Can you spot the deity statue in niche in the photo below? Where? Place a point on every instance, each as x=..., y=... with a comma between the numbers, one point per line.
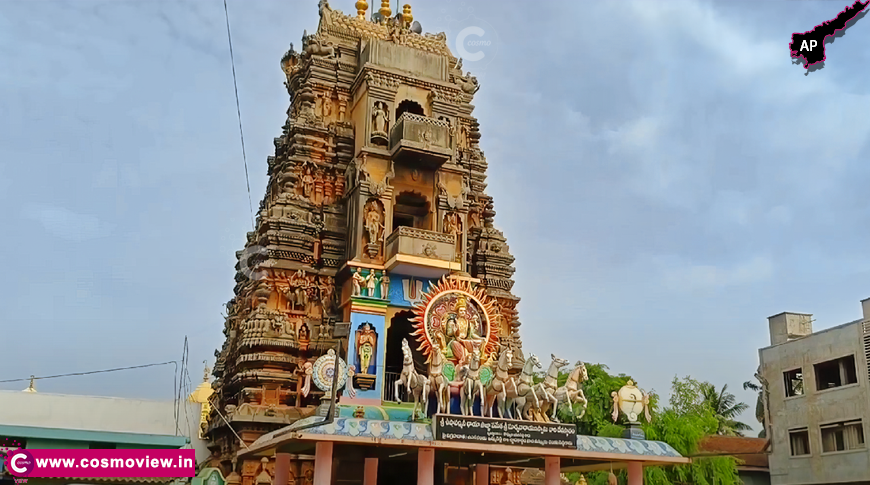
x=373, y=221
x=307, y=183
x=453, y=225
x=380, y=118
x=366, y=349
x=304, y=336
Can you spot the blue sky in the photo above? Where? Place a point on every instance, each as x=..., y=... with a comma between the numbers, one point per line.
x=666, y=177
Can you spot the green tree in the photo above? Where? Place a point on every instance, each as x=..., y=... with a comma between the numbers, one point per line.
x=687, y=419
x=726, y=409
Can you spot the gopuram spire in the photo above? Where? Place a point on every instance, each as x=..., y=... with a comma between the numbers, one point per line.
x=376, y=191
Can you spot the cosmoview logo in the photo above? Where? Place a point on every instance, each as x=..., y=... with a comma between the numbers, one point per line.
x=20, y=463
x=475, y=41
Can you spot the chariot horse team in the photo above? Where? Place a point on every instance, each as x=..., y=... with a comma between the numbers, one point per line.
x=511, y=396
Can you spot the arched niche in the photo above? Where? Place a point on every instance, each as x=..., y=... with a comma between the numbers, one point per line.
x=411, y=209
x=409, y=106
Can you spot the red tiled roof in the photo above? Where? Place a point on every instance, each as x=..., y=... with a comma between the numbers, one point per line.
x=752, y=452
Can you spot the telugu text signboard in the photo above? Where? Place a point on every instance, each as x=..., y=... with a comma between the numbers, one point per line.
x=504, y=432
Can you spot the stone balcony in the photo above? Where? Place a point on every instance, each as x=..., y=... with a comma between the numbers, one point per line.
x=420, y=139
x=418, y=252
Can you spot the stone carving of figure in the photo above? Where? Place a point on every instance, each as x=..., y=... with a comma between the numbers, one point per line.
x=453, y=225
x=373, y=223
x=304, y=334
x=463, y=137
x=327, y=107
x=357, y=281
x=318, y=187
x=307, y=183
x=615, y=414
x=461, y=335
x=385, y=286
x=371, y=283
x=339, y=186
x=326, y=292
x=366, y=343
x=380, y=118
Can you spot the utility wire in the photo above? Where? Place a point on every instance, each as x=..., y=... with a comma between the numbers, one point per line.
x=239, y=112
x=90, y=372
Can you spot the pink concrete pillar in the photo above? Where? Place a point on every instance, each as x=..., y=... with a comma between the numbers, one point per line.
x=282, y=469
x=635, y=473
x=323, y=463
x=425, y=466
x=370, y=475
x=481, y=474
x=552, y=470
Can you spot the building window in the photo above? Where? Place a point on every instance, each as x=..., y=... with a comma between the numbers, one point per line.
x=848, y=435
x=408, y=106
x=836, y=373
x=794, y=382
x=800, y=442
x=102, y=446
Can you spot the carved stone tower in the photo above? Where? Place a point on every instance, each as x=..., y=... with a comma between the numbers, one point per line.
x=375, y=190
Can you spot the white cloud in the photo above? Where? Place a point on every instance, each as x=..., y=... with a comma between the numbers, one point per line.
x=682, y=276
x=66, y=224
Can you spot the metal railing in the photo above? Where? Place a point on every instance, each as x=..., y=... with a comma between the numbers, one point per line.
x=390, y=379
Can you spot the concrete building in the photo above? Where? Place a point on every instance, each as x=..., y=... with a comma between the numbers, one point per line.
x=817, y=400
x=34, y=420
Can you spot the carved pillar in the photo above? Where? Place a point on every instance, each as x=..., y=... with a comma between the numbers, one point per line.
x=425, y=466
x=635, y=473
x=481, y=474
x=370, y=474
x=323, y=463
x=552, y=471
x=282, y=469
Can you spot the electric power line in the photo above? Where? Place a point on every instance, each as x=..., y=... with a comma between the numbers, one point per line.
x=89, y=372
x=239, y=112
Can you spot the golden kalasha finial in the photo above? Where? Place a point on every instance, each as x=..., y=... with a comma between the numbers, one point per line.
x=385, y=9
x=361, y=7
x=406, y=14
x=32, y=386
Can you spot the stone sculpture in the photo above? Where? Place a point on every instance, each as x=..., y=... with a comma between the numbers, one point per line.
x=371, y=283
x=571, y=393
x=385, y=287
x=545, y=390
x=632, y=402
x=437, y=382
x=471, y=384
x=366, y=345
x=499, y=385
x=415, y=384
x=524, y=396
x=357, y=281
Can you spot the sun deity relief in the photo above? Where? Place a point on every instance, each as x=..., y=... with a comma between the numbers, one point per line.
x=459, y=318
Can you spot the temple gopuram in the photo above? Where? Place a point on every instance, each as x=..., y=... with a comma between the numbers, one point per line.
x=373, y=337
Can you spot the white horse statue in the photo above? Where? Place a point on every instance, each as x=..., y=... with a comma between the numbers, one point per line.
x=571, y=394
x=470, y=384
x=545, y=390
x=437, y=381
x=525, y=398
x=500, y=384
x=415, y=384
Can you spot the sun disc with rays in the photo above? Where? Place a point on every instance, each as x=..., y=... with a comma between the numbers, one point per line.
x=457, y=319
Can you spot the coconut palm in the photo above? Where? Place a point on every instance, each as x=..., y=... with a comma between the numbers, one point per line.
x=759, y=403
x=726, y=408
